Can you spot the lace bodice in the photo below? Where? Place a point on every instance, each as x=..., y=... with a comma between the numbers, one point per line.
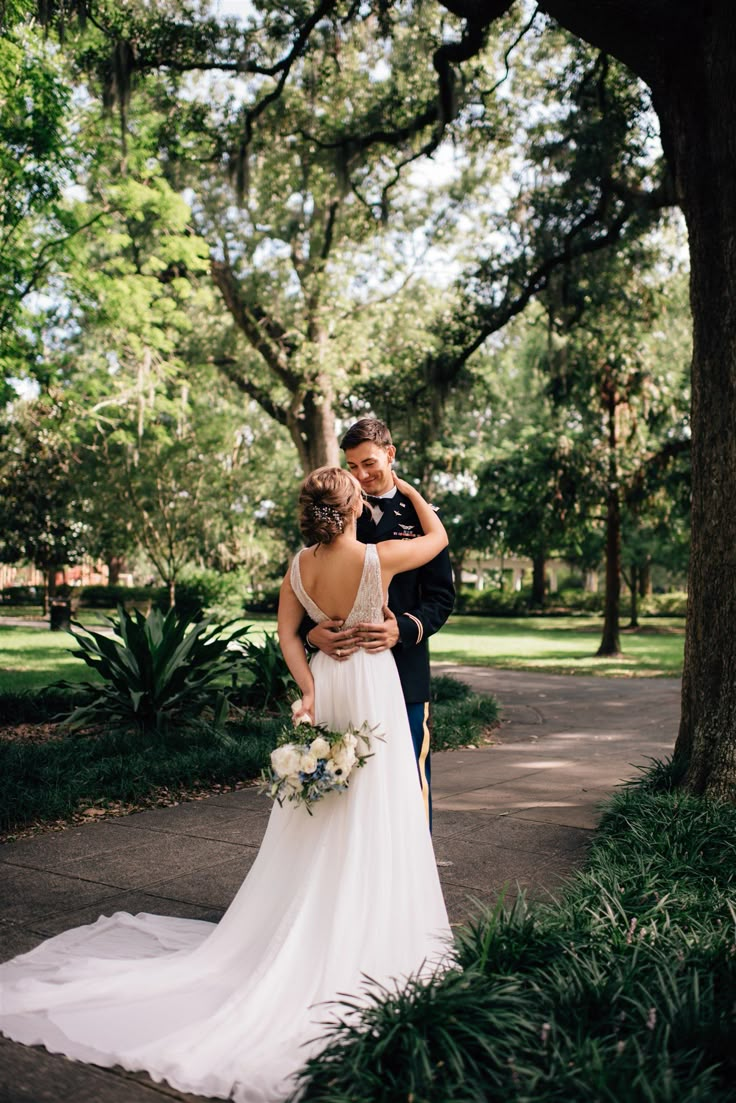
x=368, y=604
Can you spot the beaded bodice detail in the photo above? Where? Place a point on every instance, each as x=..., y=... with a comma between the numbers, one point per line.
x=368, y=604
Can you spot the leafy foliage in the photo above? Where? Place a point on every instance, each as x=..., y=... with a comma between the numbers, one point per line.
x=54, y=779
x=263, y=680
x=463, y=720
x=50, y=779
x=159, y=673
x=36, y=156
x=44, y=514
x=444, y=689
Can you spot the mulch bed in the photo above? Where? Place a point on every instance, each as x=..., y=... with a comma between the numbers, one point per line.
x=30, y=733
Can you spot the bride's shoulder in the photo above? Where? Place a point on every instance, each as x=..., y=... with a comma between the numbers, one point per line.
x=300, y=553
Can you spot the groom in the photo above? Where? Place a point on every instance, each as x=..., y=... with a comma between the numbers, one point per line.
x=419, y=601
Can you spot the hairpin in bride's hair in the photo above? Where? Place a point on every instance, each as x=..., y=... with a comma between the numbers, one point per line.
x=331, y=515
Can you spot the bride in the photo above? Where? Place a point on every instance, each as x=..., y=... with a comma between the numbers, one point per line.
x=233, y=1010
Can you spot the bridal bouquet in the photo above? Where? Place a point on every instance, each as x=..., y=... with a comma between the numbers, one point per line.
x=321, y=762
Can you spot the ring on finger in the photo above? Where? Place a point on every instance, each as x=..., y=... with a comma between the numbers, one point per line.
x=338, y=652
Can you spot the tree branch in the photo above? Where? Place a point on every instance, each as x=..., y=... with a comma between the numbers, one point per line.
x=266, y=336
x=232, y=369
x=637, y=32
x=40, y=264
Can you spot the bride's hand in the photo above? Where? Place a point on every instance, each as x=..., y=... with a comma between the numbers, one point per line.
x=402, y=485
x=302, y=710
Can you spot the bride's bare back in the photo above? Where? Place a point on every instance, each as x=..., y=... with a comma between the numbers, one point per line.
x=332, y=576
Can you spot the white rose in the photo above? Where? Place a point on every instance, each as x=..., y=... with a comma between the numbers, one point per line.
x=308, y=763
x=343, y=760
x=319, y=747
x=285, y=760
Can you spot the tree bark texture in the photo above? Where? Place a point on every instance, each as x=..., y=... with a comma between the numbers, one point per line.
x=539, y=588
x=610, y=642
x=685, y=50
x=634, y=597
x=115, y=565
x=309, y=416
x=699, y=129
x=312, y=428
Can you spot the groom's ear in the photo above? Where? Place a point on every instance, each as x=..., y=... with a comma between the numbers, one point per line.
x=391, y=453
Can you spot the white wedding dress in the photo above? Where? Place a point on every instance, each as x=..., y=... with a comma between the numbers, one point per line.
x=234, y=1009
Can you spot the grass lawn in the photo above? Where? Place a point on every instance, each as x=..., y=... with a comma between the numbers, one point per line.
x=31, y=658
x=561, y=645
x=34, y=657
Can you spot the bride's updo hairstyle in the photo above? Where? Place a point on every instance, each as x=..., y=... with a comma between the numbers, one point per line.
x=328, y=500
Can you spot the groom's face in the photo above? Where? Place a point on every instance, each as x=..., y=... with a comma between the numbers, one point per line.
x=371, y=465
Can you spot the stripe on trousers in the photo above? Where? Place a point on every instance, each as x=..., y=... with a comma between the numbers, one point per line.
x=422, y=760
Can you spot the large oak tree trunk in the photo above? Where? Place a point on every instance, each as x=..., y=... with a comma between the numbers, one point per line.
x=700, y=136
x=312, y=428
x=115, y=564
x=309, y=415
x=686, y=52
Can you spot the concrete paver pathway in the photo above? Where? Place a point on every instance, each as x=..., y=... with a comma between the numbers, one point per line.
x=519, y=813
x=516, y=814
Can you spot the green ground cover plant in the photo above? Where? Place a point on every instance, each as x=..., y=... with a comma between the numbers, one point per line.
x=459, y=716
x=49, y=780
x=54, y=780
x=625, y=989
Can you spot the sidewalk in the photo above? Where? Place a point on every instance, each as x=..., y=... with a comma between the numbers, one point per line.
x=517, y=814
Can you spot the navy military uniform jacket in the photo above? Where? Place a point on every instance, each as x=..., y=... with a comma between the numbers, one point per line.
x=421, y=600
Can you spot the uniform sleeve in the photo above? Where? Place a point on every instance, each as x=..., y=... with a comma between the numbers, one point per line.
x=304, y=629
x=436, y=600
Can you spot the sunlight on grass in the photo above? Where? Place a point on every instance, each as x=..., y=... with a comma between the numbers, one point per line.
x=561, y=645
x=31, y=658
x=34, y=657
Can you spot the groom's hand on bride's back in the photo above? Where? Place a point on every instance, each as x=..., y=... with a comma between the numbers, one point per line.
x=330, y=637
x=378, y=637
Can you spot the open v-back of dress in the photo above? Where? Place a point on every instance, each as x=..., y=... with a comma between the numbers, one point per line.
x=234, y=1009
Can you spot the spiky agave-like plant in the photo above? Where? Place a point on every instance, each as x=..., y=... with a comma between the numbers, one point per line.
x=157, y=671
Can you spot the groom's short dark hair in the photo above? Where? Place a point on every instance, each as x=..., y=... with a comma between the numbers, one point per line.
x=368, y=428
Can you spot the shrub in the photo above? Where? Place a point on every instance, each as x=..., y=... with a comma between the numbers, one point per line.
x=462, y=721
x=49, y=703
x=54, y=779
x=665, y=605
x=157, y=675
x=21, y=595
x=200, y=591
x=262, y=679
x=109, y=597
x=265, y=601
x=443, y=688
x=577, y=600
x=493, y=603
